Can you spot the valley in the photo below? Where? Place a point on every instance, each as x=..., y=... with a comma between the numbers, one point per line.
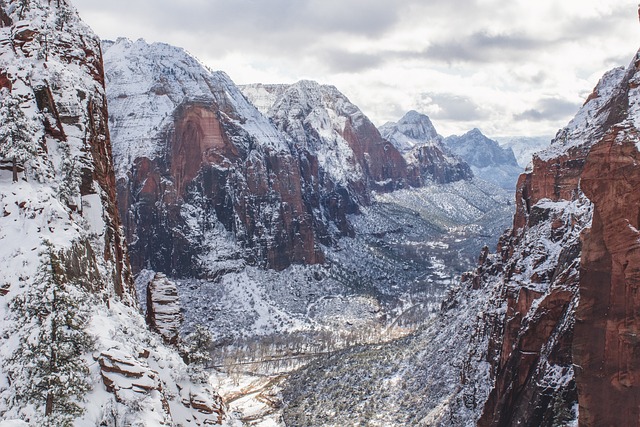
x=180, y=250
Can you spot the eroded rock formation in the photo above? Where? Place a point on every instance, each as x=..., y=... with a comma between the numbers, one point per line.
x=163, y=308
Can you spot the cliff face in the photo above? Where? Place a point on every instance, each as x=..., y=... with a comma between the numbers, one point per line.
x=566, y=337
x=72, y=149
x=352, y=158
x=198, y=163
x=200, y=168
x=61, y=246
x=606, y=346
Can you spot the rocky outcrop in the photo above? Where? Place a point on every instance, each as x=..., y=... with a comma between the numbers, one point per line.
x=209, y=167
x=429, y=164
x=163, y=308
x=606, y=344
x=75, y=135
x=60, y=226
x=320, y=122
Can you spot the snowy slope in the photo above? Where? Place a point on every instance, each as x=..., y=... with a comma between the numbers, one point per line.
x=60, y=238
x=323, y=109
x=593, y=118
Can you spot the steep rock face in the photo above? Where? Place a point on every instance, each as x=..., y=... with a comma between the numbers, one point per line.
x=163, y=308
x=198, y=163
x=428, y=159
x=487, y=159
x=605, y=345
x=429, y=163
x=61, y=236
x=535, y=347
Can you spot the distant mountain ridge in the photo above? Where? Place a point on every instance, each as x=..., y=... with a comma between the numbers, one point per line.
x=412, y=130
x=488, y=160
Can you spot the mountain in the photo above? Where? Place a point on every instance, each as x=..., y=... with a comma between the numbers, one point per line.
x=198, y=166
x=198, y=169
x=416, y=137
x=410, y=131
x=488, y=160
x=524, y=147
x=74, y=348
x=542, y=332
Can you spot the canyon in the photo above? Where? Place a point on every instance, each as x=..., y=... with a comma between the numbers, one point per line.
x=186, y=228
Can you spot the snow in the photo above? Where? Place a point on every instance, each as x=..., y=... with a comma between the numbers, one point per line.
x=411, y=131
x=306, y=105
x=146, y=83
x=586, y=127
x=43, y=214
x=13, y=423
x=93, y=212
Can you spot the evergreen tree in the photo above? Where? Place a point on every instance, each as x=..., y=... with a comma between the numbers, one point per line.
x=196, y=352
x=47, y=369
x=18, y=134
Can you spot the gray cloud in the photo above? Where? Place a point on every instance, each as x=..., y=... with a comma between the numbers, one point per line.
x=284, y=25
x=549, y=109
x=340, y=61
x=582, y=28
x=452, y=107
x=484, y=47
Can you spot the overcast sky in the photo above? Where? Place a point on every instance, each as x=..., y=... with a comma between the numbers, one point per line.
x=508, y=67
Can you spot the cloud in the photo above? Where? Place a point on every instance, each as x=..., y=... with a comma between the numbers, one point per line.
x=549, y=109
x=286, y=25
x=340, y=61
x=473, y=60
x=484, y=47
x=597, y=26
x=448, y=106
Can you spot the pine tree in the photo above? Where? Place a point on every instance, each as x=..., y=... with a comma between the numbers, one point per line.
x=47, y=368
x=18, y=134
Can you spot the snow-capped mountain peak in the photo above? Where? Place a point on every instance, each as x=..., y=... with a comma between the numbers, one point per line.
x=412, y=130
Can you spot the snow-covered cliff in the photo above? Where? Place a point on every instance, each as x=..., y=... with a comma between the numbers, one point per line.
x=74, y=348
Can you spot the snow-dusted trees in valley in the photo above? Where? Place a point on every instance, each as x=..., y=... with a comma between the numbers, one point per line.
x=47, y=370
x=18, y=134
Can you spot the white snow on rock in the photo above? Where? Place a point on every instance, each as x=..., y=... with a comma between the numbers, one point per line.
x=313, y=116
x=587, y=126
x=44, y=213
x=412, y=130
x=146, y=83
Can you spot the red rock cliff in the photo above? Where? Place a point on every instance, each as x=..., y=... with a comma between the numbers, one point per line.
x=547, y=351
x=606, y=344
